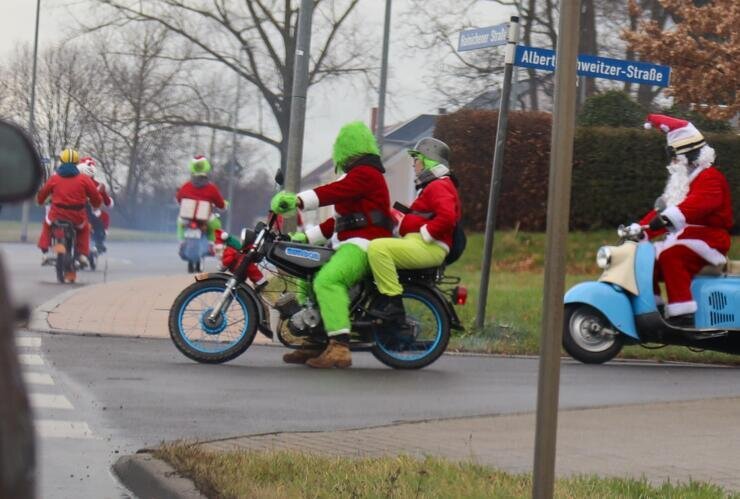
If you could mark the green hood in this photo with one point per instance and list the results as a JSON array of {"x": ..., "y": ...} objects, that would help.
[{"x": 354, "y": 139}]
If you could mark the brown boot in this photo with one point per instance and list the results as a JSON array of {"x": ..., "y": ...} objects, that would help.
[
  {"x": 337, "y": 355},
  {"x": 301, "y": 355}
]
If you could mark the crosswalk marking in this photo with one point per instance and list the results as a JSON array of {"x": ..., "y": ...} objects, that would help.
[
  {"x": 47, "y": 428},
  {"x": 47, "y": 401},
  {"x": 28, "y": 341},
  {"x": 29, "y": 359},
  {"x": 37, "y": 378}
]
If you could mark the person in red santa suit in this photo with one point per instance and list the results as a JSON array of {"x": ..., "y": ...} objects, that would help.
[
  {"x": 99, "y": 219},
  {"x": 69, "y": 192},
  {"x": 362, "y": 204},
  {"x": 694, "y": 212}
]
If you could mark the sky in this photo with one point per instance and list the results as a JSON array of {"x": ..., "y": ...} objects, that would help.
[{"x": 408, "y": 91}]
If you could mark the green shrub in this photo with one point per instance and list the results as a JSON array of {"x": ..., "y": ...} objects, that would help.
[{"x": 613, "y": 108}]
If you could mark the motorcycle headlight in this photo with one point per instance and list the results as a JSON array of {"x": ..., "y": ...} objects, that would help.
[{"x": 604, "y": 257}]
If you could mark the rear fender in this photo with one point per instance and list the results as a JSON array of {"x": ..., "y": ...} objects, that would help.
[
  {"x": 610, "y": 301},
  {"x": 451, "y": 313},
  {"x": 223, "y": 276}
]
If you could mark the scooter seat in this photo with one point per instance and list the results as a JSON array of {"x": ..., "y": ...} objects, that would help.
[{"x": 731, "y": 268}]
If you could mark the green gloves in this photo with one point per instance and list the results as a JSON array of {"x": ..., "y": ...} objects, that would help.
[
  {"x": 284, "y": 203},
  {"x": 298, "y": 237}
]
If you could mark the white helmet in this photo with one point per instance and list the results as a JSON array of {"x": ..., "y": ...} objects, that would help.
[{"x": 86, "y": 166}]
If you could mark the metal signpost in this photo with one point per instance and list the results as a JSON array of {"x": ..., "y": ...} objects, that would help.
[
  {"x": 380, "y": 127},
  {"x": 506, "y": 33}
]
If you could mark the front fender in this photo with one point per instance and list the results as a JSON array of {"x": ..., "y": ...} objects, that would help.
[
  {"x": 608, "y": 300},
  {"x": 223, "y": 276}
]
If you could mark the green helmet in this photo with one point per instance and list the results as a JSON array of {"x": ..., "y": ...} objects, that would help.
[
  {"x": 354, "y": 139},
  {"x": 199, "y": 166},
  {"x": 432, "y": 152}
]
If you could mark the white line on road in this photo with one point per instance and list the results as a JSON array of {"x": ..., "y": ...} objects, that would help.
[
  {"x": 28, "y": 341},
  {"x": 47, "y": 428},
  {"x": 46, "y": 401},
  {"x": 37, "y": 378},
  {"x": 31, "y": 359}
]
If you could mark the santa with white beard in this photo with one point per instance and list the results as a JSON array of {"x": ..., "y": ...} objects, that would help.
[{"x": 695, "y": 211}]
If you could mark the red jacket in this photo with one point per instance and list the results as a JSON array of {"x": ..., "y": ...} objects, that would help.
[
  {"x": 208, "y": 192},
  {"x": 107, "y": 200},
  {"x": 702, "y": 220},
  {"x": 69, "y": 196},
  {"x": 362, "y": 190},
  {"x": 440, "y": 200}
]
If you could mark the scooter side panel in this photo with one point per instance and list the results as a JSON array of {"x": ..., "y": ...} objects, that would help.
[
  {"x": 607, "y": 299},
  {"x": 644, "y": 302},
  {"x": 718, "y": 300}
]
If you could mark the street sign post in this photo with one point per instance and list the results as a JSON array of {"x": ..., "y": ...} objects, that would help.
[{"x": 479, "y": 38}]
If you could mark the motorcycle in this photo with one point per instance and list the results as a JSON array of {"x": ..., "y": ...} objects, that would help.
[
  {"x": 620, "y": 308},
  {"x": 195, "y": 245},
  {"x": 216, "y": 318},
  {"x": 63, "y": 236}
]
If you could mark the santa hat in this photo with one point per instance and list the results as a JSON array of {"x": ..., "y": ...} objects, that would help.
[{"x": 681, "y": 135}]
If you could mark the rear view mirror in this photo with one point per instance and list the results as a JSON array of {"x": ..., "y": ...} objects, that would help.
[
  {"x": 20, "y": 164},
  {"x": 279, "y": 177}
]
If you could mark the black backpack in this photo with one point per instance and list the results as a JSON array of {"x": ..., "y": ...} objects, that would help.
[{"x": 459, "y": 241}]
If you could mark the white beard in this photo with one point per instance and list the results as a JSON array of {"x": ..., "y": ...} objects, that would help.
[{"x": 678, "y": 182}]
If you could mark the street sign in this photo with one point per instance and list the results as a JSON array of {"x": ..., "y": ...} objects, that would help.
[
  {"x": 597, "y": 67},
  {"x": 478, "y": 38}
]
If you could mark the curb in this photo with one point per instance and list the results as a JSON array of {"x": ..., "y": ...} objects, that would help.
[
  {"x": 148, "y": 477},
  {"x": 40, "y": 314}
]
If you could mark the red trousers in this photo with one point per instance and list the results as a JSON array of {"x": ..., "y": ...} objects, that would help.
[
  {"x": 677, "y": 266},
  {"x": 82, "y": 242}
]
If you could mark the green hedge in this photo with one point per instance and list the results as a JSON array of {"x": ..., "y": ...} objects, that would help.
[{"x": 617, "y": 172}]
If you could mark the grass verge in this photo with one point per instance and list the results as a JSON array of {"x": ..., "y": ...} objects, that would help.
[
  {"x": 10, "y": 233},
  {"x": 292, "y": 474}
]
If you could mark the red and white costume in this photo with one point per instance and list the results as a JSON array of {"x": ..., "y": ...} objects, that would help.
[
  {"x": 209, "y": 192},
  {"x": 440, "y": 198},
  {"x": 700, "y": 211}
]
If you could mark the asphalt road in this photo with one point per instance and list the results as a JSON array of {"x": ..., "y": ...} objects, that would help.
[{"x": 125, "y": 394}]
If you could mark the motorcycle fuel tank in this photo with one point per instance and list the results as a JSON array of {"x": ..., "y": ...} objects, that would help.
[{"x": 299, "y": 258}]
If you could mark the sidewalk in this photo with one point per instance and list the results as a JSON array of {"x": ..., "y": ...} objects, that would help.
[{"x": 136, "y": 308}]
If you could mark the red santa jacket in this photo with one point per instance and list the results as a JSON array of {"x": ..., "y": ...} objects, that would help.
[
  {"x": 69, "y": 196},
  {"x": 703, "y": 219},
  {"x": 438, "y": 199},
  {"x": 208, "y": 192},
  {"x": 361, "y": 190},
  {"x": 107, "y": 200}
]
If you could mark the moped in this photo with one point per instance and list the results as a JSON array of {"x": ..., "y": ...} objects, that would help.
[
  {"x": 620, "y": 308},
  {"x": 216, "y": 318}
]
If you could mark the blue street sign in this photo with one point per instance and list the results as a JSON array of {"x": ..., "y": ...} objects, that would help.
[
  {"x": 478, "y": 38},
  {"x": 597, "y": 67}
]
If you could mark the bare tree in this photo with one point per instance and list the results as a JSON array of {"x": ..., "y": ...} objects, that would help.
[{"x": 264, "y": 31}]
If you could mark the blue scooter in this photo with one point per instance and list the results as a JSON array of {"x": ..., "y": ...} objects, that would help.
[{"x": 620, "y": 308}]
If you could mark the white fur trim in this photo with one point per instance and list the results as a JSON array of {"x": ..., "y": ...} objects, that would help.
[
  {"x": 427, "y": 237},
  {"x": 360, "y": 242},
  {"x": 677, "y": 218},
  {"x": 665, "y": 128},
  {"x": 698, "y": 246},
  {"x": 310, "y": 199},
  {"x": 680, "y": 308},
  {"x": 647, "y": 125},
  {"x": 315, "y": 236}
]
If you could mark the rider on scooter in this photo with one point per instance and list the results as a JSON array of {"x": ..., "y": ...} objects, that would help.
[
  {"x": 362, "y": 204},
  {"x": 200, "y": 188},
  {"x": 99, "y": 219},
  {"x": 695, "y": 210},
  {"x": 69, "y": 192}
]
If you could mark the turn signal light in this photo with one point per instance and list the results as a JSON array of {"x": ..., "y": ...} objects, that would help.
[{"x": 460, "y": 295}]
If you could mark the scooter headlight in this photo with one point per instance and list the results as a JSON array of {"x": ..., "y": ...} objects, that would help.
[{"x": 604, "y": 257}]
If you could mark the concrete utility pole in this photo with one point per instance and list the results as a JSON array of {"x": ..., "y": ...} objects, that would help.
[
  {"x": 558, "y": 209},
  {"x": 383, "y": 77},
  {"x": 31, "y": 118},
  {"x": 496, "y": 169}
]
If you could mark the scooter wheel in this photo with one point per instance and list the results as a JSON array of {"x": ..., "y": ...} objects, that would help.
[{"x": 584, "y": 337}]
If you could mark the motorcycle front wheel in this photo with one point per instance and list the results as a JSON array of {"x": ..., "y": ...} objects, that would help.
[
  {"x": 424, "y": 337},
  {"x": 206, "y": 341},
  {"x": 584, "y": 338}
]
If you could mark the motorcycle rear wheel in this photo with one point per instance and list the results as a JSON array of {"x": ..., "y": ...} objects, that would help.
[
  {"x": 582, "y": 338},
  {"x": 60, "y": 266},
  {"x": 425, "y": 342},
  {"x": 214, "y": 343}
]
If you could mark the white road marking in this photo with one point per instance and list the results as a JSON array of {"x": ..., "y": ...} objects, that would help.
[
  {"x": 31, "y": 359},
  {"x": 46, "y": 401},
  {"x": 37, "y": 378},
  {"x": 28, "y": 341},
  {"x": 47, "y": 428}
]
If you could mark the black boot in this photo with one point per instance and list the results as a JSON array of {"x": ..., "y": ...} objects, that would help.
[
  {"x": 684, "y": 320},
  {"x": 392, "y": 311}
]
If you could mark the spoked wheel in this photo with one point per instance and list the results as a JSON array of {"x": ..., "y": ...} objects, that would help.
[
  {"x": 588, "y": 335},
  {"x": 60, "y": 266},
  {"x": 212, "y": 341},
  {"x": 424, "y": 337}
]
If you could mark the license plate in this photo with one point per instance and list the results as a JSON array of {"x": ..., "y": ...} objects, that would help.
[{"x": 193, "y": 233}]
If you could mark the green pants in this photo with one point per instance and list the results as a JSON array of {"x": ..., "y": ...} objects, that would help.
[
  {"x": 347, "y": 267},
  {"x": 213, "y": 224},
  {"x": 410, "y": 252}
]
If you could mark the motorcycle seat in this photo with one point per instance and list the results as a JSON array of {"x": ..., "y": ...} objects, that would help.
[
  {"x": 429, "y": 274},
  {"x": 731, "y": 268}
]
